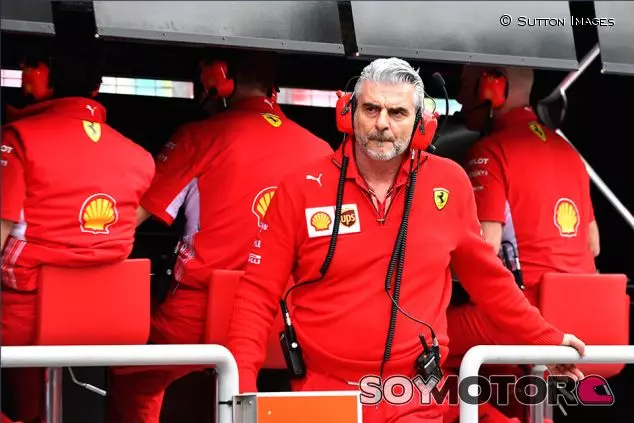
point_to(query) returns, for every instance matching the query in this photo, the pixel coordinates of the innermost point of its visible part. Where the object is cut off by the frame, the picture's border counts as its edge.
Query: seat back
(593, 307)
(221, 296)
(96, 305)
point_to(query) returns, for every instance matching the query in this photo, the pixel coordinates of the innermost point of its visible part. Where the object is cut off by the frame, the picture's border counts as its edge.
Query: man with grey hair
(348, 280)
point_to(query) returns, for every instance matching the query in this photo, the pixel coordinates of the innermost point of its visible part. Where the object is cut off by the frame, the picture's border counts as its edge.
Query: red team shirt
(224, 171)
(342, 321)
(532, 181)
(72, 185)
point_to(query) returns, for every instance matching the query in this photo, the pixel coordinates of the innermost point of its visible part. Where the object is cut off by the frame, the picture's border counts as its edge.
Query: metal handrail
(516, 354)
(135, 355)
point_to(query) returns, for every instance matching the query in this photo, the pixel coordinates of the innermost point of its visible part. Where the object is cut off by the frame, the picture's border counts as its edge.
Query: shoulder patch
(274, 120)
(538, 130)
(93, 130)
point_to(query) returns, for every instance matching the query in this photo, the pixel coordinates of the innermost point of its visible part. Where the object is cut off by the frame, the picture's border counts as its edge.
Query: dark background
(598, 118)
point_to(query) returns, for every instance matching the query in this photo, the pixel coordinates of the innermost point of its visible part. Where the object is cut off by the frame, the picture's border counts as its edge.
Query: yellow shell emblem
(93, 130)
(538, 130)
(261, 203)
(320, 221)
(98, 214)
(274, 120)
(566, 217)
(441, 196)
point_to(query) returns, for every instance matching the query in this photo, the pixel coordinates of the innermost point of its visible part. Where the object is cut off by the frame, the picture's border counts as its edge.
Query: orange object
(593, 307)
(305, 407)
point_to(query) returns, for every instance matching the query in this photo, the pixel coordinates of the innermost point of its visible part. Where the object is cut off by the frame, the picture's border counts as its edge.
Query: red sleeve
(262, 287)
(12, 177)
(176, 167)
(485, 168)
(492, 287)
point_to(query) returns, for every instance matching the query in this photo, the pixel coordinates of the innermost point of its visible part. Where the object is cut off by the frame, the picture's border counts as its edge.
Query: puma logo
(91, 109)
(316, 179)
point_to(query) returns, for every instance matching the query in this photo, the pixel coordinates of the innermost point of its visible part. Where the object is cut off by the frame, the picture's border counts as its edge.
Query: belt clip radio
(428, 363)
(290, 347)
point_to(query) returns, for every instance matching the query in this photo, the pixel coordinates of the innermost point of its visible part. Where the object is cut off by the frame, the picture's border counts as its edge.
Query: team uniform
(223, 171)
(72, 185)
(342, 321)
(533, 182)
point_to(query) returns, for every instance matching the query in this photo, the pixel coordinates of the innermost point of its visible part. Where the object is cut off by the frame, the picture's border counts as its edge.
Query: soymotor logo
(593, 390)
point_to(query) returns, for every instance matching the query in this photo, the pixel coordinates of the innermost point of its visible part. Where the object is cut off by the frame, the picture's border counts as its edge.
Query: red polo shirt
(72, 184)
(528, 178)
(224, 172)
(342, 321)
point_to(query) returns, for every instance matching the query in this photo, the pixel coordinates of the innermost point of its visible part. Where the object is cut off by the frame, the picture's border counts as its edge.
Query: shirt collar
(259, 104)
(78, 107)
(347, 148)
(514, 117)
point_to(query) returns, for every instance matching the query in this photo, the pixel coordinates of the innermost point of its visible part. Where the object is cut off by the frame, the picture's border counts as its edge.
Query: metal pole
(53, 394)
(560, 91)
(613, 199)
(583, 65)
(135, 355)
(515, 354)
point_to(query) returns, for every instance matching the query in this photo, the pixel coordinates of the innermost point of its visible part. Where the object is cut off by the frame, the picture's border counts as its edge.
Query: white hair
(393, 71)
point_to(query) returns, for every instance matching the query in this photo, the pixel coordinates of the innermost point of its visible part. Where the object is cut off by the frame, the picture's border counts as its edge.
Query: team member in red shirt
(341, 321)
(70, 189)
(532, 193)
(223, 171)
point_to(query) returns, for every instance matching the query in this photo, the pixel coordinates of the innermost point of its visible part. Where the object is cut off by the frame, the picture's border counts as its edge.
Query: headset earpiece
(425, 131)
(493, 88)
(216, 80)
(344, 112)
(35, 81)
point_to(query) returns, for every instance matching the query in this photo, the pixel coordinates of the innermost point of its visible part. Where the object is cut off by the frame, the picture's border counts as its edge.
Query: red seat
(221, 296)
(593, 307)
(95, 305)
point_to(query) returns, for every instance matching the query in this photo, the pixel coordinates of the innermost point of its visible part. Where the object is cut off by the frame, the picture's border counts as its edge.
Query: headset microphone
(440, 81)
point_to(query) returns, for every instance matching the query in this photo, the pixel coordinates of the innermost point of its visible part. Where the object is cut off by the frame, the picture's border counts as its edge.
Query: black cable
(335, 232)
(397, 260)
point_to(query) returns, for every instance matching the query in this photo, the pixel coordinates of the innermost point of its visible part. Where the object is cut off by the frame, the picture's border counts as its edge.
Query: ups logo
(348, 218)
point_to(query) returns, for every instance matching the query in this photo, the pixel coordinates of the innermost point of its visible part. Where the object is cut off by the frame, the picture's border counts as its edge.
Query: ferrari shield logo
(274, 120)
(93, 130)
(441, 196)
(537, 130)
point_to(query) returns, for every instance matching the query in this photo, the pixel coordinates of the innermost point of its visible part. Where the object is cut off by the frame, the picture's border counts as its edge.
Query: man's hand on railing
(570, 370)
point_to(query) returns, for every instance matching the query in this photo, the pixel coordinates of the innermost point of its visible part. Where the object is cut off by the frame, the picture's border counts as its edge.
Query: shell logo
(98, 214)
(320, 221)
(261, 203)
(566, 217)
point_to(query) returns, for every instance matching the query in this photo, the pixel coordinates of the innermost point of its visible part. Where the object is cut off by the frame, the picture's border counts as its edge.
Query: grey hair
(393, 71)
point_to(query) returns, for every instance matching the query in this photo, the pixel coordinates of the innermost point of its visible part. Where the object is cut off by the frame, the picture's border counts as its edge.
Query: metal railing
(502, 354)
(135, 355)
